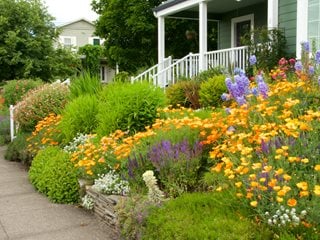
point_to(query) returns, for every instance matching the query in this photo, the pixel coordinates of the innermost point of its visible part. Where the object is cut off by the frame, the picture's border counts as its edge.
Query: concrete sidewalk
(28, 215)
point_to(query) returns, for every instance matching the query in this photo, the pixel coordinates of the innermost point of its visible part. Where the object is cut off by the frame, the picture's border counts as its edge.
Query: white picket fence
(188, 66)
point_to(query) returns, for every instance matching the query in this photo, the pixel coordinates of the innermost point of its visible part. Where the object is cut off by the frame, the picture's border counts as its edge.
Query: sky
(68, 10)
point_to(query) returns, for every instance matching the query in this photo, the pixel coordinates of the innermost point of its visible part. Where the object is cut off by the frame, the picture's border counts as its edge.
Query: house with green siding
(299, 19)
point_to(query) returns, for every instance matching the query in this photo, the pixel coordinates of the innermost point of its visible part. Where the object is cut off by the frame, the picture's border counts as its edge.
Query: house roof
(77, 20)
(167, 4)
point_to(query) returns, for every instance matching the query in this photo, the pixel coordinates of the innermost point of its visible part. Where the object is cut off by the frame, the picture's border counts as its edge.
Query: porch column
(302, 25)
(203, 19)
(272, 14)
(161, 50)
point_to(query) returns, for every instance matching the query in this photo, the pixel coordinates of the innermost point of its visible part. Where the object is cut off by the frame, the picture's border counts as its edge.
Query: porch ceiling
(222, 6)
(214, 6)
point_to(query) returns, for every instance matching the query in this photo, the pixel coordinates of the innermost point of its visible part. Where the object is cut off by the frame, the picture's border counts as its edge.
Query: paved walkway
(28, 215)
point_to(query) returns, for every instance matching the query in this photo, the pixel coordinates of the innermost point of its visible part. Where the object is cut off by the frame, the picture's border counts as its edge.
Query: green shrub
(79, 116)
(85, 84)
(211, 91)
(121, 77)
(268, 45)
(39, 103)
(17, 149)
(4, 129)
(184, 93)
(128, 106)
(53, 174)
(201, 216)
(210, 73)
(14, 90)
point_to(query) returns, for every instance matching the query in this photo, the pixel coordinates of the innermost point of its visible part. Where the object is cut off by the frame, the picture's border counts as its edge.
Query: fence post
(11, 122)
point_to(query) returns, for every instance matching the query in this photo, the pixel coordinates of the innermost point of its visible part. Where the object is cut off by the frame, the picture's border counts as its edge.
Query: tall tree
(129, 28)
(27, 36)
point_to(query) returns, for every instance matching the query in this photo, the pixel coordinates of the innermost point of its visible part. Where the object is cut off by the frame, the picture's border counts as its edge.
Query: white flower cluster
(87, 202)
(154, 193)
(285, 216)
(111, 183)
(80, 139)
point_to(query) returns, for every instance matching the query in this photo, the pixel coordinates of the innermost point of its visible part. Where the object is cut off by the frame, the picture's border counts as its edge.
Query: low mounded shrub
(79, 116)
(210, 73)
(39, 103)
(17, 149)
(128, 106)
(14, 90)
(53, 174)
(201, 216)
(184, 93)
(85, 84)
(210, 91)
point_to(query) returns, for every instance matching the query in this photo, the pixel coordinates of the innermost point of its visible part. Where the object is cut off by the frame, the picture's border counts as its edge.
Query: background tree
(130, 30)
(27, 37)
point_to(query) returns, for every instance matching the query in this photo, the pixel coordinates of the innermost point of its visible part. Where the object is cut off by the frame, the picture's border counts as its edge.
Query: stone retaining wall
(104, 207)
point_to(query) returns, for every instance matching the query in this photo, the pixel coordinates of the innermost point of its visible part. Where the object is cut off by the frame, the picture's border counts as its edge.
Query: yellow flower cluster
(238, 141)
(45, 134)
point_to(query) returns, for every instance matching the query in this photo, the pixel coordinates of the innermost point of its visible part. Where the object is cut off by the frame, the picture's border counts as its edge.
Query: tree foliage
(130, 30)
(27, 37)
(126, 26)
(92, 55)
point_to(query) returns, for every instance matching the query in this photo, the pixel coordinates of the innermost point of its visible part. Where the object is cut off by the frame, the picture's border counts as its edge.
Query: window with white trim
(68, 41)
(314, 22)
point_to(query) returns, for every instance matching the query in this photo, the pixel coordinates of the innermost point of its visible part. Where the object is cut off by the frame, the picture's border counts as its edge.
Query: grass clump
(85, 84)
(79, 116)
(128, 107)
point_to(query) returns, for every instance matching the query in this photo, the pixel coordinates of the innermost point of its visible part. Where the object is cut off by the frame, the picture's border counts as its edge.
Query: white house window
(68, 41)
(314, 22)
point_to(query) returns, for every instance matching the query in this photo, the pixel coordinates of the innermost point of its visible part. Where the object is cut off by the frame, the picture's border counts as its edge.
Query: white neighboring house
(80, 32)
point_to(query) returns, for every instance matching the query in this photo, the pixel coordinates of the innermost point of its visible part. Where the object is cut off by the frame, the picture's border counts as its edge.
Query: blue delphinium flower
(228, 83)
(253, 60)
(306, 46)
(318, 57)
(298, 66)
(262, 87)
(254, 91)
(243, 84)
(241, 100)
(311, 70)
(239, 71)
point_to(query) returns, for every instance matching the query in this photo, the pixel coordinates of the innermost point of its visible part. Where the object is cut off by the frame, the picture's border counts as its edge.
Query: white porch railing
(188, 66)
(149, 74)
(231, 57)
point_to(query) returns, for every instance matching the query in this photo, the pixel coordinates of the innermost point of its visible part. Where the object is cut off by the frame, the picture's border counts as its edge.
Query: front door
(241, 28)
